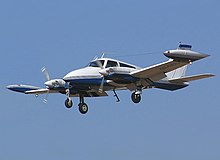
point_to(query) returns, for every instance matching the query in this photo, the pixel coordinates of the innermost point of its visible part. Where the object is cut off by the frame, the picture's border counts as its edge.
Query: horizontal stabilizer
(191, 78)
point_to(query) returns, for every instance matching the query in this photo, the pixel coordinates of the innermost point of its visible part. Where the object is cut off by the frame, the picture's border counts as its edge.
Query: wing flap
(191, 78)
(157, 72)
(97, 94)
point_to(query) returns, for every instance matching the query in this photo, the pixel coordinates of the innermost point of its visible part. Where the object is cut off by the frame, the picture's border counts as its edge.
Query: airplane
(107, 74)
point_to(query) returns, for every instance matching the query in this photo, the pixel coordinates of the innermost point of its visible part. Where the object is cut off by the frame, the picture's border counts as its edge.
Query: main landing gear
(83, 108)
(136, 97)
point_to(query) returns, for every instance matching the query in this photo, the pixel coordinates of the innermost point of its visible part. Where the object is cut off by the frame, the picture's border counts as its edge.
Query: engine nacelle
(115, 70)
(118, 75)
(55, 83)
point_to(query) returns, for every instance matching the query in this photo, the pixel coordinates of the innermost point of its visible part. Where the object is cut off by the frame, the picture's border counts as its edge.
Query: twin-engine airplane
(105, 74)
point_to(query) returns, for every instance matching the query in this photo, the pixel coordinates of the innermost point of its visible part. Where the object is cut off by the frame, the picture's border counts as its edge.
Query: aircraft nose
(66, 77)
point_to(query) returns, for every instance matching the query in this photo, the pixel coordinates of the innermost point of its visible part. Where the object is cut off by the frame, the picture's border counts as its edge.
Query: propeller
(102, 84)
(99, 63)
(46, 97)
(51, 83)
(102, 75)
(104, 72)
(47, 77)
(46, 74)
(55, 84)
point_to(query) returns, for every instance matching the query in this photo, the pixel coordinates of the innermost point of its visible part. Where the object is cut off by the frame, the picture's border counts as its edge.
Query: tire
(68, 103)
(136, 98)
(83, 108)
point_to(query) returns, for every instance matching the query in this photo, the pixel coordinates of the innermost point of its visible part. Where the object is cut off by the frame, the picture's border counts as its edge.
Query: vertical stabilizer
(180, 72)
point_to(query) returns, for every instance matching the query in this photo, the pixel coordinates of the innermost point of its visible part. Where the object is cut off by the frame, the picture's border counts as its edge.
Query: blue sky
(66, 35)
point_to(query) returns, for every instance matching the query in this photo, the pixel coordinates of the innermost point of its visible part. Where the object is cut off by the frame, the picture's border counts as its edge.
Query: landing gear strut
(83, 108)
(68, 101)
(136, 97)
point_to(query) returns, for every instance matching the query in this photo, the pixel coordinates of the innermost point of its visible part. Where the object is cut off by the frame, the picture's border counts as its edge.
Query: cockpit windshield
(98, 63)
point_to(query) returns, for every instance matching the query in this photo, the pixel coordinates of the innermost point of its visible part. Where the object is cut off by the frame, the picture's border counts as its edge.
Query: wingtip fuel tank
(184, 52)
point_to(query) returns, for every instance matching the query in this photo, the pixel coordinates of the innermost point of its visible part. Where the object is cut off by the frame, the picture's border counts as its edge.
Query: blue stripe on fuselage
(122, 78)
(89, 81)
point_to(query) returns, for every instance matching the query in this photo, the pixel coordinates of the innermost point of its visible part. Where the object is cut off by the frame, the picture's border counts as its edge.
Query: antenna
(103, 54)
(95, 58)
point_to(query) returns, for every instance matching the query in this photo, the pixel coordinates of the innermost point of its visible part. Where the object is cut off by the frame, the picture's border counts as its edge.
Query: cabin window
(96, 63)
(111, 64)
(125, 65)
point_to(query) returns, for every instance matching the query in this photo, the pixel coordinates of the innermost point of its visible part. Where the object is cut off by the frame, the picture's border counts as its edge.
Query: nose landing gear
(68, 103)
(136, 97)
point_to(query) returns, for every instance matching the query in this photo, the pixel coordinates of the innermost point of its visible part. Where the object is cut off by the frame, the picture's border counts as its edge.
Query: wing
(86, 94)
(191, 78)
(22, 88)
(28, 89)
(157, 72)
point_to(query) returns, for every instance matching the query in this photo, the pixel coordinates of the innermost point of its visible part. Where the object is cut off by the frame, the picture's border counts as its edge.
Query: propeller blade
(46, 74)
(99, 64)
(101, 85)
(45, 99)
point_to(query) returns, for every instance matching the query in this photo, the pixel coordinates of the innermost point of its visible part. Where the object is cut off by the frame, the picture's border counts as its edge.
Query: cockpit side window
(96, 63)
(111, 64)
(125, 65)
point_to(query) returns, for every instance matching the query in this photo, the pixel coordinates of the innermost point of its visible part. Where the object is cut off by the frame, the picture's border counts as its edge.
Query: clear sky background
(66, 35)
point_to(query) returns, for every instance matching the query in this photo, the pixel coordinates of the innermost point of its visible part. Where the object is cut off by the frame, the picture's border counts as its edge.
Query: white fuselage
(83, 73)
(91, 76)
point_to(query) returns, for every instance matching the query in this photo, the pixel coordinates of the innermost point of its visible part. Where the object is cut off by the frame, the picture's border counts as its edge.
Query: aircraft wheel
(136, 98)
(83, 108)
(68, 103)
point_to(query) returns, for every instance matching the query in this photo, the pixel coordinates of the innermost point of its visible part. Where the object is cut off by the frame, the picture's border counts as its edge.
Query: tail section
(179, 76)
